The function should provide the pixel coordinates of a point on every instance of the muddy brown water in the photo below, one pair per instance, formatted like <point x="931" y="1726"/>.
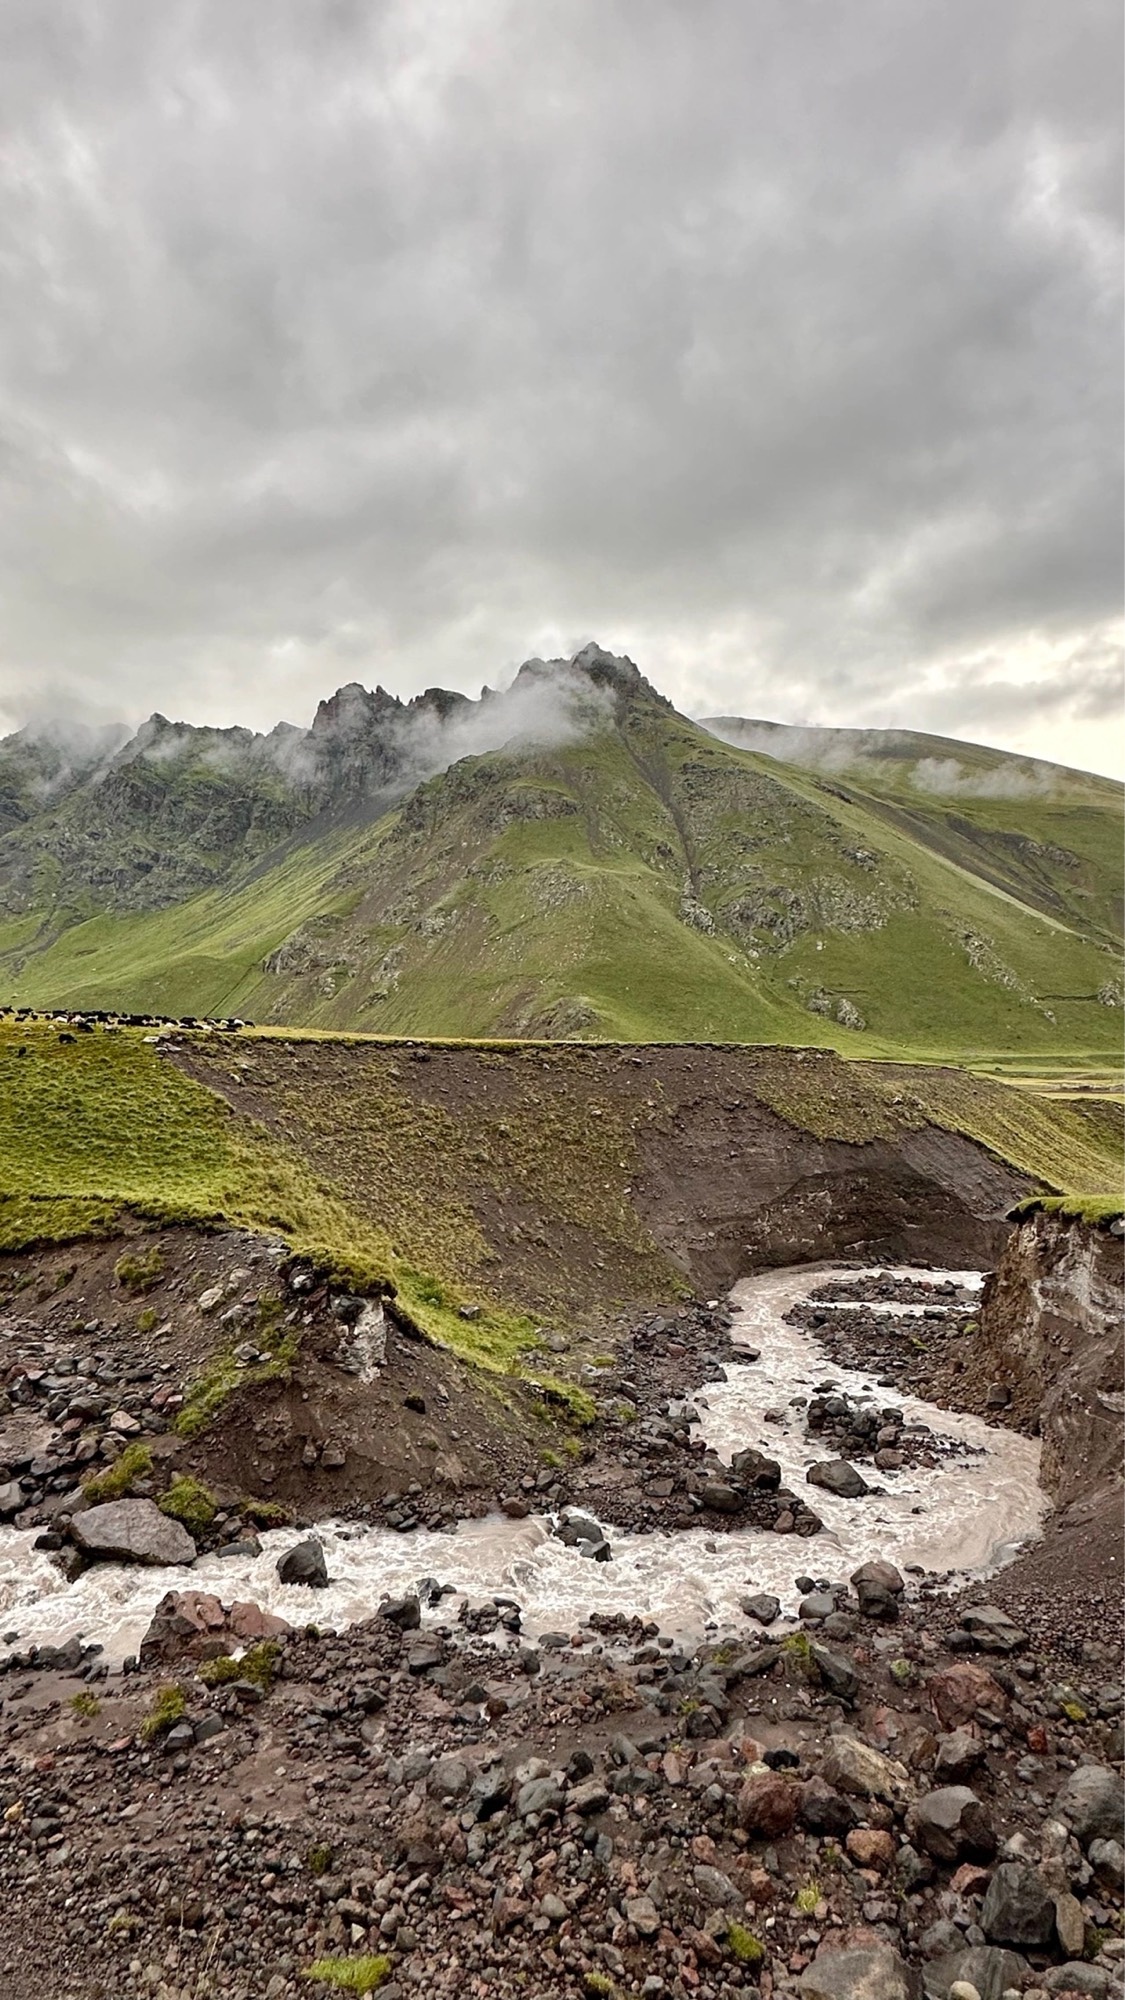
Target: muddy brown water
<point x="962" y="1519"/>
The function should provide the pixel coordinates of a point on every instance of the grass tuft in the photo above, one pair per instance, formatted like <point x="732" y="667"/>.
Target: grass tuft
<point x="169" y="1707"/>
<point x="265" y="1513"/>
<point x="118" y="1479"/>
<point x="139" y="1271"/>
<point x="351" y="1975"/>
<point x="747" y="1949"/>
<point x="223" y="1376"/>
<point x="189" y="1501"/>
<point x="258" y="1665"/>
<point x="1097" y="1210"/>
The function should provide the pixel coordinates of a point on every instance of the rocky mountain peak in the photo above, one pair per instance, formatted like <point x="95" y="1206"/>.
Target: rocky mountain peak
<point x="353" y="707"/>
<point x="603" y="669"/>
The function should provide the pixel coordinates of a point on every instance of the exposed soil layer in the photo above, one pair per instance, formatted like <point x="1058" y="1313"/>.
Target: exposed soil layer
<point x="584" y="1175"/>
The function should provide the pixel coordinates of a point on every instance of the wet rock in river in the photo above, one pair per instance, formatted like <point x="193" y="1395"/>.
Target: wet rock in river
<point x="762" y="1606"/>
<point x="304" y="1563"/>
<point x="836" y="1476"/>
<point x="878" y="1572"/>
<point x="132" y="1531"/>
<point x="753" y="1468"/>
<point x="582" y="1532"/>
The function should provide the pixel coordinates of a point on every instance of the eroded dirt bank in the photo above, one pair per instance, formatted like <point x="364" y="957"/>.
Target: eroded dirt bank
<point x="571" y="1176"/>
<point x="1053" y="1336"/>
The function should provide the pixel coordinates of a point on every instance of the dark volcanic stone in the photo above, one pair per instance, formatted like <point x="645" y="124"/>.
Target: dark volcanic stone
<point x="836" y="1476"/>
<point x="304" y="1563"/>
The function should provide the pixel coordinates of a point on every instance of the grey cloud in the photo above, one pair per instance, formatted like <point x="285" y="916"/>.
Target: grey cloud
<point x="775" y="346"/>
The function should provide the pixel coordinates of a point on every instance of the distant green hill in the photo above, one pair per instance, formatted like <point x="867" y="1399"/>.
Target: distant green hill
<point x="603" y="867"/>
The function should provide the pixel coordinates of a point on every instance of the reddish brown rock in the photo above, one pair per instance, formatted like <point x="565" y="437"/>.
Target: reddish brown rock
<point x="959" y="1692"/>
<point x="250" y="1623"/>
<point x="870" y="1847"/>
<point x="182" y="1622"/>
<point x="767" y="1806"/>
<point x="704" y="1946"/>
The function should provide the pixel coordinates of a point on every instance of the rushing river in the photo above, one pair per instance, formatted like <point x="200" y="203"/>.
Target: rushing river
<point x="967" y="1515"/>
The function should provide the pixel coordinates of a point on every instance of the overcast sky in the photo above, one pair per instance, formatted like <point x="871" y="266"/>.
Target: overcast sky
<point x="773" y="342"/>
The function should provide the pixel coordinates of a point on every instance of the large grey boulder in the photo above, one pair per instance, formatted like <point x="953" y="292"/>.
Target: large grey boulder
<point x="304" y="1563"/>
<point x="877" y="1602"/>
<point x="11" y="1499"/>
<point x="1090" y="1801"/>
<point x="883" y="1573"/>
<point x="1107" y="1859"/>
<point x="991" y="1971"/>
<point x="132" y="1531"/>
<point x="951" y="1822"/>
<point x="838" y="1477"/>
<point x="1018" y="1906"/>
<point x="876" y="1974"/>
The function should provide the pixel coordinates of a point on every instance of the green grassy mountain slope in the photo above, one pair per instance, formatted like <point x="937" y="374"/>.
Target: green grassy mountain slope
<point x="639" y="879"/>
<point x="1045" y="834"/>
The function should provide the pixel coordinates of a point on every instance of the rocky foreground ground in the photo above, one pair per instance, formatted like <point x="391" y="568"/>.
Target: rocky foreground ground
<point x="417" y="1807"/>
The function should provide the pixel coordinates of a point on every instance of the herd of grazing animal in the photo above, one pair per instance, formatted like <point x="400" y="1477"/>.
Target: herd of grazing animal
<point x="72" y="1022"/>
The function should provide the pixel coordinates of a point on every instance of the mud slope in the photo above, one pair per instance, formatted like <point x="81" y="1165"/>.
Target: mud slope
<point x="569" y="1178"/>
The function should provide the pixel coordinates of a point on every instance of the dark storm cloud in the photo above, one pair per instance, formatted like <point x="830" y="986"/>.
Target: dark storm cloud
<point x="772" y="343"/>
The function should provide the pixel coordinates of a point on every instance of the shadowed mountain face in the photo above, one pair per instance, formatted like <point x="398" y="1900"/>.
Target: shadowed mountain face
<point x="571" y="857"/>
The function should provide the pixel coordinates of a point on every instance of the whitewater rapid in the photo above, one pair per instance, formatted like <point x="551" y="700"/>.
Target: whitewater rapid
<point x="962" y="1519"/>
